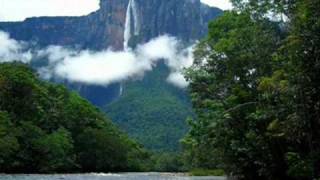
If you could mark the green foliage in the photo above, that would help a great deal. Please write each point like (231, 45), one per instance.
(100, 150)
(9, 145)
(238, 52)
(167, 162)
(44, 128)
(255, 90)
(55, 151)
(298, 167)
(152, 111)
(207, 172)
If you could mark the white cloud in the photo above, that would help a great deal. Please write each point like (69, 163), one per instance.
(12, 50)
(177, 79)
(56, 53)
(18, 10)
(103, 67)
(100, 68)
(222, 4)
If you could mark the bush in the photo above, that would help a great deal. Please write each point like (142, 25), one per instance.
(207, 172)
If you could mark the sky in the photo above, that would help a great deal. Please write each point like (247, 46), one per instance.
(222, 4)
(18, 10)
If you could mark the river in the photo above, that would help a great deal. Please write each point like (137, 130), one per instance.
(102, 176)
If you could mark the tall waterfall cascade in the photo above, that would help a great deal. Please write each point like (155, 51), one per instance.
(131, 15)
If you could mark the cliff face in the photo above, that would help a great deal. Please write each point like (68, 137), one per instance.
(98, 30)
(186, 19)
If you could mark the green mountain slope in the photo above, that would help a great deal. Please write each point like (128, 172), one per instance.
(44, 128)
(152, 111)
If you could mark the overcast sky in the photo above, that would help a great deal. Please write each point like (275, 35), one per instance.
(18, 10)
(222, 4)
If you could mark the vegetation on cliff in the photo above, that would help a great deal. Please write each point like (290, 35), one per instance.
(153, 111)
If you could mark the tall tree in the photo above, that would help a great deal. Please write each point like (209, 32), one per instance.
(255, 88)
(224, 86)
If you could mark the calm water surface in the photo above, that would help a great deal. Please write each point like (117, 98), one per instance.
(122, 176)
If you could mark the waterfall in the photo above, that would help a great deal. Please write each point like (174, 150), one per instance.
(121, 90)
(136, 19)
(127, 27)
(131, 14)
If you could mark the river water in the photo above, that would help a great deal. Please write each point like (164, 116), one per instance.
(98, 176)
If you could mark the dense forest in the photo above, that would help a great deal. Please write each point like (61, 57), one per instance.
(255, 88)
(152, 102)
(44, 128)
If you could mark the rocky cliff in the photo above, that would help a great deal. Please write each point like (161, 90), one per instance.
(186, 19)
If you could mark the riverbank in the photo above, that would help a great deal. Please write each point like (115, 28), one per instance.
(207, 172)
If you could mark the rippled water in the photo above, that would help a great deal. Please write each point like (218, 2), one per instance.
(122, 176)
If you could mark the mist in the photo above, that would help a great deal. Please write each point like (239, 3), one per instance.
(11, 50)
(103, 67)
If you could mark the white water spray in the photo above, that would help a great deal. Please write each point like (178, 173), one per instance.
(131, 14)
(136, 19)
(121, 90)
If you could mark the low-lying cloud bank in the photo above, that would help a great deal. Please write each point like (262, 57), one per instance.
(103, 67)
(11, 49)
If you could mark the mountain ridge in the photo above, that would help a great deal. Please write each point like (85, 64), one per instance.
(105, 27)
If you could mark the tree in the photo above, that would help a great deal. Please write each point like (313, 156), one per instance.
(302, 51)
(9, 144)
(45, 128)
(100, 150)
(255, 87)
(224, 86)
(56, 152)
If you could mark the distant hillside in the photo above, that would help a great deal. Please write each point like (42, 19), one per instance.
(153, 111)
